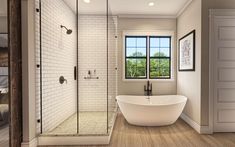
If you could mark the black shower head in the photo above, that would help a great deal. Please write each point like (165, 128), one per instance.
(69, 31)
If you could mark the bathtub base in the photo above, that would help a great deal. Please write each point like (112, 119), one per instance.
(151, 124)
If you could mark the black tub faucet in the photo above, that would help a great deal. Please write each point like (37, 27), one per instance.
(148, 89)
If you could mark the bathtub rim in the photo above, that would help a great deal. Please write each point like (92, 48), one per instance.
(152, 105)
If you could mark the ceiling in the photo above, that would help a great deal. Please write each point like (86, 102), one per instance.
(168, 8)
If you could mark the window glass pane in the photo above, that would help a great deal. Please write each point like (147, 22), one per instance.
(155, 42)
(164, 42)
(141, 42)
(159, 68)
(136, 46)
(159, 52)
(131, 52)
(141, 52)
(164, 52)
(136, 52)
(154, 52)
(130, 42)
(136, 68)
(162, 49)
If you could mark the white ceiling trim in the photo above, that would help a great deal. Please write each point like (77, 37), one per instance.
(184, 8)
(145, 16)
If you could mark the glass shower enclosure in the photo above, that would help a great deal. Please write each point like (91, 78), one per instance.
(76, 67)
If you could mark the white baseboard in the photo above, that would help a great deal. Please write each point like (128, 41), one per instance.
(191, 122)
(32, 143)
(200, 129)
(73, 140)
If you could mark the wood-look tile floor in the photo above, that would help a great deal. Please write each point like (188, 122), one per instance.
(178, 135)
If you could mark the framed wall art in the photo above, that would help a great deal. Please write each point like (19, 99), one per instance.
(187, 52)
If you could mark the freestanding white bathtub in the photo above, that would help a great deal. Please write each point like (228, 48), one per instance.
(152, 110)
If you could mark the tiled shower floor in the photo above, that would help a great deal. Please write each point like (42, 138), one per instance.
(90, 123)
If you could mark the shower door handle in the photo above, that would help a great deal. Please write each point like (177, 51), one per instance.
(75, 72)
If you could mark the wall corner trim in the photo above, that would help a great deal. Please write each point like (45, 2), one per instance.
(205, 130)
(195, 125)
(184, 8)
(32, 143)
(147, 16)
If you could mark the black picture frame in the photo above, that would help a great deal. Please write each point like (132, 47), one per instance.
(189, 50)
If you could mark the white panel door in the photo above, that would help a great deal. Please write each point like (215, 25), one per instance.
(223, 62)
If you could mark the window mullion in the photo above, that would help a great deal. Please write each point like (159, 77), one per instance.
(148, 57)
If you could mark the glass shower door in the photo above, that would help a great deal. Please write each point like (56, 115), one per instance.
(56, 57)
(112, 68)
(93, 67)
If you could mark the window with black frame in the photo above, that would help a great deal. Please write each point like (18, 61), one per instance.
(136, 57)
(148, 57)
(160, 57)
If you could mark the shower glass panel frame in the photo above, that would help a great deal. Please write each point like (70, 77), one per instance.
(54, 47)
(112, 52)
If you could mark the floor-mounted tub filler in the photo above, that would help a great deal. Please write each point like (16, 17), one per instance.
(151, 110)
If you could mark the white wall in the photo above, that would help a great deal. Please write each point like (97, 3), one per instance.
(92, 55)
(3, 7)
(3, 24)
(3, 16)
(154, 24)
(58, 58)
(189, 83)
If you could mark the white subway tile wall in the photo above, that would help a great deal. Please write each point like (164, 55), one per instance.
(92, 55)
(59, 56)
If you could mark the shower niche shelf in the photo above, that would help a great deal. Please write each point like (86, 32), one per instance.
(91, 78)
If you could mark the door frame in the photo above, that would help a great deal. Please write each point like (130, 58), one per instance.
(15, 72)
(214, 13)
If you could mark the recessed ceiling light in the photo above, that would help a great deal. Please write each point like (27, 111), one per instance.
(87, 1)
(151, 4)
